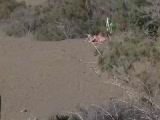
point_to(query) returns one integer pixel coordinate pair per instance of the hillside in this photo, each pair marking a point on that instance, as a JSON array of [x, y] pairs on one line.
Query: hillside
[[46, 69]]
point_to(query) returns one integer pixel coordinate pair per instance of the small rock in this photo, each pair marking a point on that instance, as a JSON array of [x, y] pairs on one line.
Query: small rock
[[80, 60], [24, 110]]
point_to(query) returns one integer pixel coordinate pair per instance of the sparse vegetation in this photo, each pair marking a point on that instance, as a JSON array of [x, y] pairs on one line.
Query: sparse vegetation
[[134, 60], [116, 110], [127, 48]]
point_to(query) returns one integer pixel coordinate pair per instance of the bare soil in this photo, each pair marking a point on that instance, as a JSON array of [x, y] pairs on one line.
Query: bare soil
[[48, 77]]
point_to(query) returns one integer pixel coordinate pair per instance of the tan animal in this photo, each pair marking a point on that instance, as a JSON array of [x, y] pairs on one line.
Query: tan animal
[[98, 39]]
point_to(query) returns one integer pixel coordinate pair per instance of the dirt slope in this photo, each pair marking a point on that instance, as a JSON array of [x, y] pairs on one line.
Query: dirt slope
[[48, 77]]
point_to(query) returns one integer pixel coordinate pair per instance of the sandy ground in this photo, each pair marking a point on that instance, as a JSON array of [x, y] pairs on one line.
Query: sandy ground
[[48, 77]]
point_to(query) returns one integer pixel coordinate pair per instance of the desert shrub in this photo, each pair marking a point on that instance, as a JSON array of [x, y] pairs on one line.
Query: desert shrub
[[119, 111], [20, 22], [139, 44], [148, 17], [53, 25], [133, 59], [7, 6], [115, 110], [49, 32], [127, 48], [63, 19], [76, 18], [18, 19], [67, 19], [155, 8]]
